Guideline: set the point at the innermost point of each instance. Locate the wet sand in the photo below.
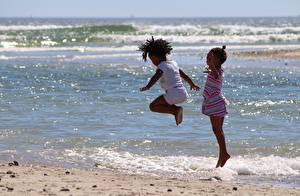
(48, 180)
(274, 54)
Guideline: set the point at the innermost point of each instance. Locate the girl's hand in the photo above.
(195, 87)
(144, 89)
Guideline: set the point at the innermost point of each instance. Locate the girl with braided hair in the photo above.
(170, 78)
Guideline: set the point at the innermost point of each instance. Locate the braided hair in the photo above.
(220, 53)
(158, 47)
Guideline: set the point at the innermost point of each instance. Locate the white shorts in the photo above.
(176, 95)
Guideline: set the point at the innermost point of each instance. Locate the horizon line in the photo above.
(143, 17)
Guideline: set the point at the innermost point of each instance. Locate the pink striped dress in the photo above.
(214, 103)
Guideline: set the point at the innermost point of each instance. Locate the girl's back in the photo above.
(171, 75)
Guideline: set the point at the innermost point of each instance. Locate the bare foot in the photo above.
(179, 116)
(224, 159)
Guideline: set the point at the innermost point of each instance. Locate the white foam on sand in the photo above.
(270, 165)
(199, 167)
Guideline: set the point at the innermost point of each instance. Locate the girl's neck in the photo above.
(163, 59)
(218, 67)
(159, 61)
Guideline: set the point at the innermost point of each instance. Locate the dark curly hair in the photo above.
(158, 47)
(220, 53)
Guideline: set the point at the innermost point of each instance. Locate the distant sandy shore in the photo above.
(46, 180)
(275, 54)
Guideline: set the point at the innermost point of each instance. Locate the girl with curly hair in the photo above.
(170, 78)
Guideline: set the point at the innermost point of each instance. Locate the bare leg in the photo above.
(217, 126)
(161, 106)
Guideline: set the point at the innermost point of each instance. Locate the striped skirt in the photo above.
(215, 106)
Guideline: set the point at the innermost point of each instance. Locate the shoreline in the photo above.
(267, 54)
(52, 180)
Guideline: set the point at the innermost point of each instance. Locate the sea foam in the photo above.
(197, 166)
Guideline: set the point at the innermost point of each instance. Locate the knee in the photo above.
(151, 107)
(216, 130)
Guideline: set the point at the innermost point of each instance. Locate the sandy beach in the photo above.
(48, 180)
(273, 53)
(70, 98)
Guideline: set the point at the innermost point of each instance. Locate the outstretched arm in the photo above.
(189, 80)
(153, 80)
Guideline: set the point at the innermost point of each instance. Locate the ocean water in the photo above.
(69, 95)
